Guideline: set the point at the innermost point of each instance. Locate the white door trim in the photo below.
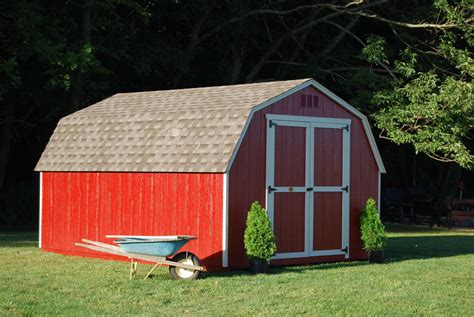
(290, 255)
(310, 123)
(346, 181)
(320, 122)
(270, 180)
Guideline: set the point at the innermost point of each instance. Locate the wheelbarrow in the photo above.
(155, 249)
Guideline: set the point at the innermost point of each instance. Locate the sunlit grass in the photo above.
(427, 272)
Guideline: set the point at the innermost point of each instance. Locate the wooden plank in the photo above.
(103, 245)
(327, 234)
(102, 249)
(289, 222)
(148, 258)
(183, 265)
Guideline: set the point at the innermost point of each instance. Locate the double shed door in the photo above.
(307, 181)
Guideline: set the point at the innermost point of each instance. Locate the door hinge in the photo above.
(309, 189)
(272, 124)
(345, 188)
(346, 128)
(271, 189)
(344, 250)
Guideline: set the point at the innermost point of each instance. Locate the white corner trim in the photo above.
(330, 94)
(225, 220)
(40, 222)
(379, 191)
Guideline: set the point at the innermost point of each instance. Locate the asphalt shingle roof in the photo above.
(183, 130)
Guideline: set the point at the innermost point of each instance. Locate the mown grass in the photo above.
(428, 272)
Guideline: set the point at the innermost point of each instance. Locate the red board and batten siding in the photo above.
(247, 173)
(90, 205)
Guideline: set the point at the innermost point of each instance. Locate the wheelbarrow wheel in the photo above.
(179, 273)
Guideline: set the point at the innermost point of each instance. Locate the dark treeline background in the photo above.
(57, 57)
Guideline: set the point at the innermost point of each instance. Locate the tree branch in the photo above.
(339, 37)
(257, 67)
(281, 13)
(405, 24)
(358, 39)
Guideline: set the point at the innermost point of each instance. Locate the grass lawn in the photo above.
(429, 271)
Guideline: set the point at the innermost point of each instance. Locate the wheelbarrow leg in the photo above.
(154, 267)
(133, 268)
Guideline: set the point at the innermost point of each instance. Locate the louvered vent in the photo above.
(309, 101)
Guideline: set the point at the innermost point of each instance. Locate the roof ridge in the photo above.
(213, 87)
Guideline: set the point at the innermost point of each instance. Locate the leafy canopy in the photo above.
(431, 105)
(259, 239)
(371, 228)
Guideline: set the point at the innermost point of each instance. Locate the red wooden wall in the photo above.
(290, 162)
(247, 174)
(90, 205)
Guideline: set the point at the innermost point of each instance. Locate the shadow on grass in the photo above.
(398, 249)
(426, 247)
(18, 239)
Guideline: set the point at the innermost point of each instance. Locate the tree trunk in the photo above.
(403, 157)
(236, 65)
(77, 87)
(192, 44)
(294, 56)
(6, 134)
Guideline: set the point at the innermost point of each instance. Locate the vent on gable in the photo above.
(309, 101)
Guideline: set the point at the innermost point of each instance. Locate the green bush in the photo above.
(371, 228)
(259, 239)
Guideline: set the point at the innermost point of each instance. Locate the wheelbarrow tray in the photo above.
(115, 250)
(152, 246)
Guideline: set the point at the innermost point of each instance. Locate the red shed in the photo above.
(191, 161)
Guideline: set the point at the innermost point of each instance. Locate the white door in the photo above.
(307, 180)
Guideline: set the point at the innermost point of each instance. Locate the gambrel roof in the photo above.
(182, 130)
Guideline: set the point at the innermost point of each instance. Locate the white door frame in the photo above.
(310, 123)
(270, 180)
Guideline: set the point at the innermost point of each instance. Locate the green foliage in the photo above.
(435, 115)
(431, 106)
(371, 228)
(259, 239)
(374, 52)
(82, 61)
(406, 65)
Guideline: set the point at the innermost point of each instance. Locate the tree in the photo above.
(57, 57)
(431, 103)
